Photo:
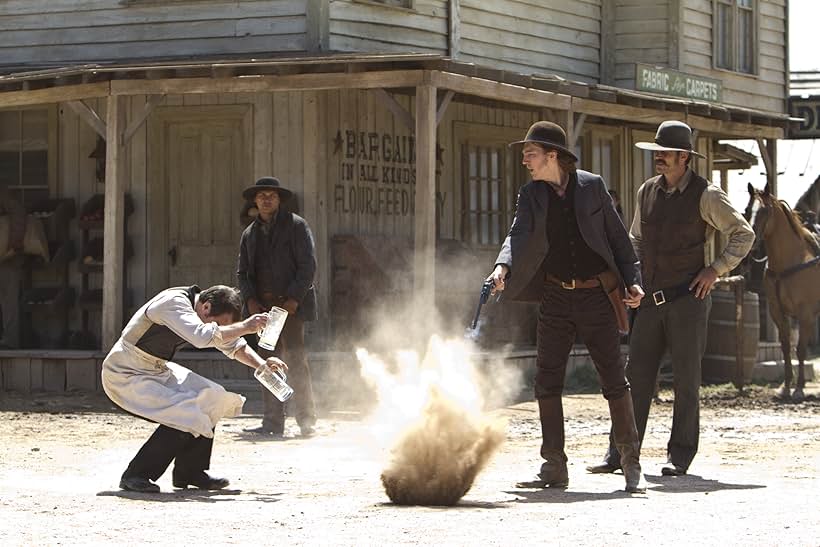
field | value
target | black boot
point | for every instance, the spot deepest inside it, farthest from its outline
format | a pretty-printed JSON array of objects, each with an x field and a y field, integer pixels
[
  {"x": 553, "y": 473},
  {"x": 625, "y": 434}
]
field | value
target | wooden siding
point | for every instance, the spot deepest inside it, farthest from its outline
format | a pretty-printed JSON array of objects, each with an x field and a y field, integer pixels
[
  {"x": 48, "y": 32},
  {"x": 362, "y": 27},
  {"x": 641, "y": 36},
  {"x": 532, "y": 38},
  {"x": 765, "y": 90},
  {"x": 294, "y": 137}
]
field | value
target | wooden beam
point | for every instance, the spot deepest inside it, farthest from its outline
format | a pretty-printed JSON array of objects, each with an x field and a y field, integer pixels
[
  {"x": 317, "y": 21},
  {"x": 424, "y": 255},
  {"x": 454, "y": 29},
  {"x": 650, "y": 116},
  {"x": 577, "y": 129},
  {"x": 113, "y": 225},
  {"x": 150, "y": 104},
  {"x": 768, "y": 151},
  {"x": 608, "y": 44},
  {"x": 489, "y": 89},
  {"x": 54, "y": 94},
  {"x": 442, "y": 106},
  {"x": 258, "y": 84},
  {"x": 399, "y": 112},
  {"x": 764, "y": 154},
  {"x": 89, "y": 116}
]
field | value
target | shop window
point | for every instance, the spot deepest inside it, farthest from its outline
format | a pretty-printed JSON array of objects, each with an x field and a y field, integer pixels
[
  {"x": 24, "y": 164},
  {"x": 735, "y": 35},
  {"x": 393, "y": 3},
  {"x": 491, "y": 178}
]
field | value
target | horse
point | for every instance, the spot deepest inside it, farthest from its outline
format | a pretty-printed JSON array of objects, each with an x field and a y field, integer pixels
[{"x": 791, "y": 280}]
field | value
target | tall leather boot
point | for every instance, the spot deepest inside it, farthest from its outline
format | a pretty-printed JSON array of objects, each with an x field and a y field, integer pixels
[
  {"x": 627, "y": 442},
  {"x": 553, "y": 473}
]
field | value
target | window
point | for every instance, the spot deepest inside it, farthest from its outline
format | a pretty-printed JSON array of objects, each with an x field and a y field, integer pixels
[
  {"x": 735, "y": 35},
  {"x": 24, "y": 162},
  {"x": 393, "y": 3},
  {"x": 491, "y": 176}
]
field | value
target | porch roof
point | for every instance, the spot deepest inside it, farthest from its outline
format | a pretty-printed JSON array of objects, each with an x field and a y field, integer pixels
[{"x": 23, "y": 86}]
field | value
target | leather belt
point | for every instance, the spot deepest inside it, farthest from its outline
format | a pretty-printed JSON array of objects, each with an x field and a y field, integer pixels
[
  {"x": 573, "y": 284},
  {"x": 664, "y": 296}
]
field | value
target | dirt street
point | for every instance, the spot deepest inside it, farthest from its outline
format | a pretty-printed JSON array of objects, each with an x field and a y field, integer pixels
[{"x": 755, "y": 481}]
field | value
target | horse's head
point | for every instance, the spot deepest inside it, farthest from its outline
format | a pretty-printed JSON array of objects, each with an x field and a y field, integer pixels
[{"x": 760, "y": 209}]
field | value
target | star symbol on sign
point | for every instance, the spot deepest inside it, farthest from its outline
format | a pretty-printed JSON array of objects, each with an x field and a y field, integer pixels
[{"x": 337, "y": 142}]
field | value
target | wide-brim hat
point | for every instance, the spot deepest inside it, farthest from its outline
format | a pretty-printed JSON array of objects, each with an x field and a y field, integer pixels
[
  {"x": 673, "y": 136},
  {"x": 548, "y": 134},
  {"x": 267, "y": 183}
]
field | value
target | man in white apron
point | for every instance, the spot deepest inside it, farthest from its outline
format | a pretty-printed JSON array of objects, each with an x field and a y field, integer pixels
[{"x": 139, "y": 377}]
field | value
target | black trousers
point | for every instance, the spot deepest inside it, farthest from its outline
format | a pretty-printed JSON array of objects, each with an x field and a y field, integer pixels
[
  {"x": 588, "y": 313},
  {"x": 679, "y": 326},
  {"x": 190, "y": 454}
]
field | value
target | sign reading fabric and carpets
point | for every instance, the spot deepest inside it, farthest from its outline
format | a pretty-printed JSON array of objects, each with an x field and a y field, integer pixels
[
  {"x": 377, "y": 174},
  {"x": 666, "y": 81},
  {"x": 807, "y": 108}
]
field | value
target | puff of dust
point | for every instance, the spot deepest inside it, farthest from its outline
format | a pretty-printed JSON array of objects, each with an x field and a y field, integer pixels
[
  {"x": 431, "y": 412},
  {"x": 439, "y": 457}
]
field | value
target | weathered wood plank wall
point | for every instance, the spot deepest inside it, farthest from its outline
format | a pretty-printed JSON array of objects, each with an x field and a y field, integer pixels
[{"x": 48, "y": 32}]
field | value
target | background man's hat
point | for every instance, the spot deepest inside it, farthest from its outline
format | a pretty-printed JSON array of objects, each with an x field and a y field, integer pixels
[
  {"x": 550, "y": 135},
  {"x": 673, "y": 136},
  {"x": 267, "y": 183}
]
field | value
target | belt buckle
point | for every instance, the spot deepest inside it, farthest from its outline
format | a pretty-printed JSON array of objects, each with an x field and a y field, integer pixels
[
  {"x": 659, "y": 298},
  {"x": 569, "y": 286}
]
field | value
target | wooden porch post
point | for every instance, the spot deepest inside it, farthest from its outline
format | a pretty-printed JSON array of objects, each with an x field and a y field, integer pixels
[
  {"x": 113, "y": 238},
  {"x": 424, "y": 255}
]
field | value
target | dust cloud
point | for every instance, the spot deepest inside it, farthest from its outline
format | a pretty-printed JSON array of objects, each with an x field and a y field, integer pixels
[{"x": 430, "y": 418}]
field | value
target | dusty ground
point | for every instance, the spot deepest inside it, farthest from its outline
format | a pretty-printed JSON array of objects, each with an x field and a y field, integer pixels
[{"x": 755, "y": 481}]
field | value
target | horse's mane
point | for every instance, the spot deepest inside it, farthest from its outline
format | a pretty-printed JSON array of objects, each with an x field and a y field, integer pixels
[{"x": 798, "y": 228}]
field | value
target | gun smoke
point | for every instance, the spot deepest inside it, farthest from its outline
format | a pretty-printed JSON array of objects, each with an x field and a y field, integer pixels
[{"x": 431, "y": 412}]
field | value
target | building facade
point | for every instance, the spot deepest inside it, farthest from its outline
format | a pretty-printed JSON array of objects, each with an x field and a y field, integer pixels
[{"x": 389, "y": 120}]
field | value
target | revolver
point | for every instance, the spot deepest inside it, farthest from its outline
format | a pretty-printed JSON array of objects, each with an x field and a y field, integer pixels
[{"x": 486, "y": 289}]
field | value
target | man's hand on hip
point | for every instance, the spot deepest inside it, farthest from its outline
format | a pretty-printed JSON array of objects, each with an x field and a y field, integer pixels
[{"x": 703, "y": 282}]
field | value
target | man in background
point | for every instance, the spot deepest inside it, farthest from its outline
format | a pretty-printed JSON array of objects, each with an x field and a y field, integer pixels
[{"x": 277, "y": 265}]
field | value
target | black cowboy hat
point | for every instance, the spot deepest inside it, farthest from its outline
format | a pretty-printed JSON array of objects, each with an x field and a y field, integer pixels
[
  {"x": 673, "y": 136},
  {"x": 550, "y": 135},
  {"x": 267, "y": 183}
]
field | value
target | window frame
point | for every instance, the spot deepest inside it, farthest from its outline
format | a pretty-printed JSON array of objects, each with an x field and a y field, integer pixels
[
  {"x": 408, "y": 5},
  {"x": 514, "y": 176},
  {"x": 20, "y": 190},
  {"x": 733, "y": 40}
]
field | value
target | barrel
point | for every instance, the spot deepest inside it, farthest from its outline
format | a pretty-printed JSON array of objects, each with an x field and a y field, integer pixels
[{"x": 719, "y": 361}]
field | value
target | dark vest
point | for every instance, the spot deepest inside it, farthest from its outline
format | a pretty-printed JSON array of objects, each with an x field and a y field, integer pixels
[
  {"x": 159, "y": 340},
  {"x": 673, "y": 234},
  {"x": 569, "y": 255}
]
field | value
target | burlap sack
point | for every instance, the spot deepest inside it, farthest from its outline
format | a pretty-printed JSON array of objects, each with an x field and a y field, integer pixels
[{"x": 35, "y": 241}]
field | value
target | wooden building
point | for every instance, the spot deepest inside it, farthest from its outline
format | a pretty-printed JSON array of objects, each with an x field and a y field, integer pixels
[{"x": 388, "y": 118}]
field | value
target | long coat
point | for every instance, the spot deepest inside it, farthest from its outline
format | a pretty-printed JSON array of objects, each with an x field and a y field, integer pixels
[
  {"x": 526, "y": 247},
  {"x": 294, "y": 259}
]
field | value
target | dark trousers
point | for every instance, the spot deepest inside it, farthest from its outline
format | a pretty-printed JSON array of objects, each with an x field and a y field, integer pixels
[
  {"x": 190, "y": 454},
  {"x": 291, "y": 349},
  {"x": 679, "y": 326},
  {"x": 588, "y": 313}
]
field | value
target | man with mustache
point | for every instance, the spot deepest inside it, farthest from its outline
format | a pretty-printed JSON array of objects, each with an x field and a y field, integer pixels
[
  {"x": 568, "y": 249},
  {"x": 677, "y": 212}
]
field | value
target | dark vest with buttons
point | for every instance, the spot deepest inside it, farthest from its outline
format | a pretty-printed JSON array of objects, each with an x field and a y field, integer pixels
[
  {"x": 673, "y": 234},
  {"x": 569, "y": 255}
]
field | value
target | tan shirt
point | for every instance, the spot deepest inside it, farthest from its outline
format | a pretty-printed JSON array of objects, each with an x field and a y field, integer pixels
[{"x": 719, "y": 216}]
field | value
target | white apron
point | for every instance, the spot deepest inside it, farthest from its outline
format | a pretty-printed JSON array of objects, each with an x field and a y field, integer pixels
[{"x": 165, "y": 392}]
